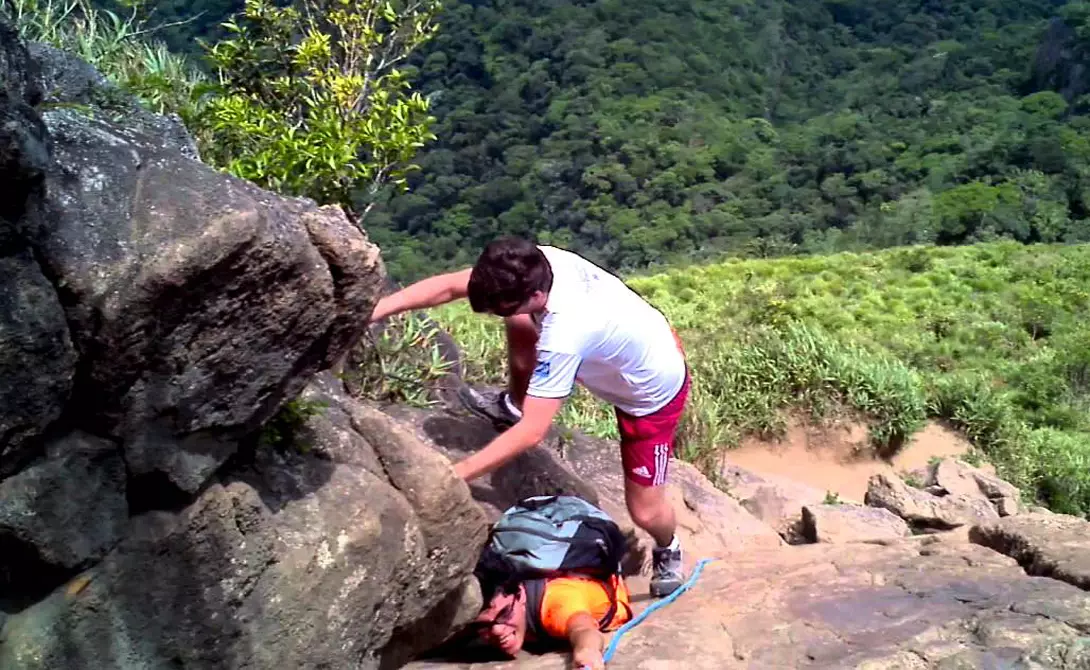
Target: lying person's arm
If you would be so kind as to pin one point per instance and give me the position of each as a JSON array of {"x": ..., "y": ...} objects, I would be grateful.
[{"x": 587, "y": 642}]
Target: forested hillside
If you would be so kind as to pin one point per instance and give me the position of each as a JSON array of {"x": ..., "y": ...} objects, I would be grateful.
[
  {"x": 644, "y": 131},
  {"x": 652, "y": 131}
]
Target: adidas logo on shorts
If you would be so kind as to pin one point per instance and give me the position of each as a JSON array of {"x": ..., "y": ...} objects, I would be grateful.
[{"x": 642, "y": 471}]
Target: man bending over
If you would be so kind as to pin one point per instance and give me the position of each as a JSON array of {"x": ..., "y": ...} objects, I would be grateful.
[{"x": 568, "y": 321}]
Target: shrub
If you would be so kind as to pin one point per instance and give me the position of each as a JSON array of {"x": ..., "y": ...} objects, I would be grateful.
[
  {"x": 399, "y": 361},
  {"x": 313, "y": 99}
]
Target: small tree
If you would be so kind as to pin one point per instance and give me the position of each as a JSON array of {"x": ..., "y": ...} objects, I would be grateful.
[{"x": 314, "y": 99}]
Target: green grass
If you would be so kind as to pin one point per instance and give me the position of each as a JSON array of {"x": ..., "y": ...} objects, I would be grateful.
[
  {"x": 991, "y": 338},
  {"x": 122, "y": 47}
]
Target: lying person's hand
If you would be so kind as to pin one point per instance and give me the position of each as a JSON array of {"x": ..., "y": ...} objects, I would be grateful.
[{"x": 588, "y": 659}]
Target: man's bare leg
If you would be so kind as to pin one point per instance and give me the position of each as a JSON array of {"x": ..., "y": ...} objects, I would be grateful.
[
  {"x": 651, "y": 511},
  {"x": 521, "y": 355}
]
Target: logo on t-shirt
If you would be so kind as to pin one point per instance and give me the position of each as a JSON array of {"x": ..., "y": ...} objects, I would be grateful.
[{"x": 542, "y": 369}]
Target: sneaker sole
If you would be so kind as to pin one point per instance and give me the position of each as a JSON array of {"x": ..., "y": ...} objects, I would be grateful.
[
  {"x": 472, "y": 401},
  {"x": 665, "y": 588}
]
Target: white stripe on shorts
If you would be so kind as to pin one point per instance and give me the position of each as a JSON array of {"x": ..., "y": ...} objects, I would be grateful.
[{"x": 662, "y": 458}]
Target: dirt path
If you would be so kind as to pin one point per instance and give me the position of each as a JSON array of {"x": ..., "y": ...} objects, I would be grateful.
[{"x": 834, "y": 458}]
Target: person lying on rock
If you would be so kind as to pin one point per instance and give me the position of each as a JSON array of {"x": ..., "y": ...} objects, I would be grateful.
[
  {"x": 568, "y": 320},
  {"x": 543, "y": 612}
]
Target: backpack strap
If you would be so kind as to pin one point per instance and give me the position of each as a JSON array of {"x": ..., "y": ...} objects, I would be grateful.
[
  {"x": 612, "y": 591},
  {"x": 535, "y": 595}
]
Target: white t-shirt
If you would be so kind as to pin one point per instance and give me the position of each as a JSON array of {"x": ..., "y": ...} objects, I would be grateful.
[{"x": 597, "y": 331}]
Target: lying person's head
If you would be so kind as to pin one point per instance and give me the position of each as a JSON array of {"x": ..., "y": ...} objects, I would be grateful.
[{"x": 502, "y": 623}]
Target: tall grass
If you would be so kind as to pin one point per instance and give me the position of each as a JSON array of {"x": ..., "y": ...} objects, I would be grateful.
[{"x": 122, "y": 47}]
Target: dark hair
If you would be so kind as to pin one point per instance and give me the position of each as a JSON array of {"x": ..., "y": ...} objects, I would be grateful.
[
  {"x": 507, "y": 273},
  {"x": 494, "y": 578}
]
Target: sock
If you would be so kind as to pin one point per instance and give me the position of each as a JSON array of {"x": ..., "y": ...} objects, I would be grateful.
[
  {"x": 674, "y": 544},
  {"x": 511, "y": 406}
]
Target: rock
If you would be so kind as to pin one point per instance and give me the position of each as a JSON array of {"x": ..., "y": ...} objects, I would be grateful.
[
  {"x": 18, "y": 71},
  {"x": 37, "y": 361},
  {"x": 61, "y": 514},
  {"x": 330, "y": 434},
  {"x": 198, "y": 301},
  {"x": 448, "y": 517},
  {"x": 923, "y": 510},
  {"x": 32, "y": 329},
  {"x": 539, "y": 471},
  {"x": 957, "y": 478},
  {"x": 66, "y": 80},
  {"x": 304, "y": 563},
  {"x": 834, "y": 606},
  {"x": 1050, "y": 545},
  {"x": 24, "y": 143},
  {"x": 776, "y": 501},
  {"x": 739, "y": 482},
  {"x": 840, "y": 524}
]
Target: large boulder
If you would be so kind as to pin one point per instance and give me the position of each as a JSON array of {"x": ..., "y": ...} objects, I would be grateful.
[
  {"x": 1050, "y": 545},
  {"x": 155, "y": 314},
  {"x": 840, "y": 524},
  {"x": 304, "y": 557},
  {"x": 913, "y": 604},
  {"x": 62, "y": 513},
  {"x": 924, "y": 510},
  {"x": 198, "y": 301},
  {"x": 37, "y": 359}
]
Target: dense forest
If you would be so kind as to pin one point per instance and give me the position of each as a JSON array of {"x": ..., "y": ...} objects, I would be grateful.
[
  {"x": 648, "y": 132},
  {"x": 654, "y": 131}
]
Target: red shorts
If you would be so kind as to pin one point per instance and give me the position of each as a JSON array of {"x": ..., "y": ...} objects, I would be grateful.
[{"x": 647, "y": 442}]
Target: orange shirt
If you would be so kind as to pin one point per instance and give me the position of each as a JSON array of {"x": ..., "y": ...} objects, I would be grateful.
[{"x": 567, "y": 596}]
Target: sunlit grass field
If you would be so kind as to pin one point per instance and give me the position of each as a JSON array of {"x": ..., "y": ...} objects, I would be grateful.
[{"x": 992, "y": 338}]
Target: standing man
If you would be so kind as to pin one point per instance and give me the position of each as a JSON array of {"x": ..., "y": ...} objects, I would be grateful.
[{"x": 568, "y": 320}]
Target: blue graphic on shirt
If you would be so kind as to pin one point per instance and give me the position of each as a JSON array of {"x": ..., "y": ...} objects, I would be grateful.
[{"x": 541, "y": 371}]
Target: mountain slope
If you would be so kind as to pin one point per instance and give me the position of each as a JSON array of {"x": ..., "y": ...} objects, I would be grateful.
[{"x": 650, "y": 131}]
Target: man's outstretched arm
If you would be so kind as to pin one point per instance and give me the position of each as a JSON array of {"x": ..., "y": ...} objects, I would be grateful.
[
  {"x": 430, "y": 292},
  {"x": 537, "y": 416},
  {"x": 587, "y": 642}
]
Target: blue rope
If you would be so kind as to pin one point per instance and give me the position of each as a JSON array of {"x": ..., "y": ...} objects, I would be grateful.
[{"x": 612, "y": 648}]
